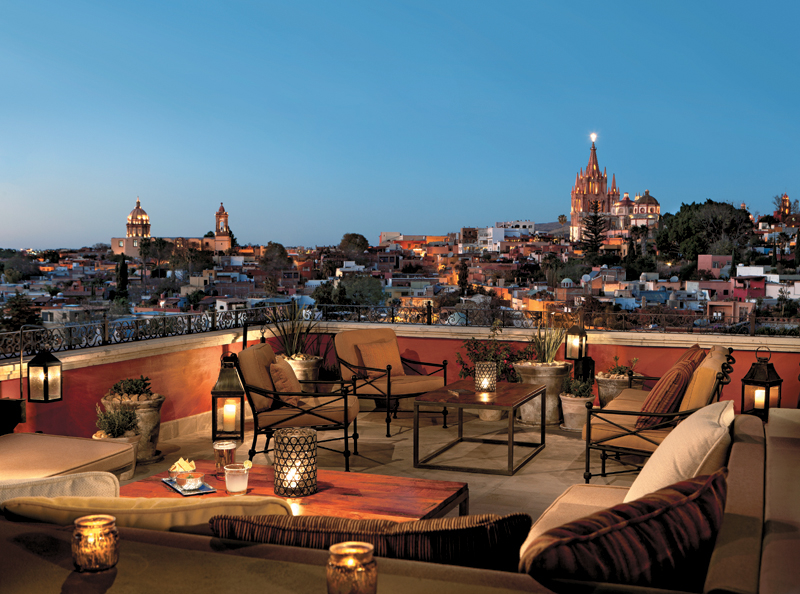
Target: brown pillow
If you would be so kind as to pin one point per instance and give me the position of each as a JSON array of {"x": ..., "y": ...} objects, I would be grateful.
[
  {"x": 694, "y": 354},
  {"x": 285, "y": 380},
  {"x": 666, "y": 395},
  {"x": 379, "y": 355},
  {"x": 664, "y": 539},
  {"x": 487, "y": 541}
]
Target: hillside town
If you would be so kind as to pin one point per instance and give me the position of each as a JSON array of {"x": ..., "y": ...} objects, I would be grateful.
[{"x": 611, "y": 252}]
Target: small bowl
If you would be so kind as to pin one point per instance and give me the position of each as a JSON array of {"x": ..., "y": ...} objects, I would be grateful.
[{"x": 189, "y": 480}]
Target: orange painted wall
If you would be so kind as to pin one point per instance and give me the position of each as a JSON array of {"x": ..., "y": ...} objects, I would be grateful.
[{"x": 186, "y": 379}]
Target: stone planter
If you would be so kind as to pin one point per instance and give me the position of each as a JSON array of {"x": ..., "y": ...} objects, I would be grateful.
[
  {"x": 485, "y": 414},
  {"x": 609, "y": 387},
  {"x": 306, "y": 370},
  {"x": 574, "y": 409},
  {"x": 552, "y": 376},
  {"x": 148, "y": 412},
  {"x": 134, "y": 439}
]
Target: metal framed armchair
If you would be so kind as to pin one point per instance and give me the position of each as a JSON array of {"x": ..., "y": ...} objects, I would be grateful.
[
  {"x": 336, "y": 410},
  {"x": 612, "y": 430},
  {"x": 371, "y": 359}
]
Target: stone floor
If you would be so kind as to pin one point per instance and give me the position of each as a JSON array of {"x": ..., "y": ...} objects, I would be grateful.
[{"x": 531, "y": 490}]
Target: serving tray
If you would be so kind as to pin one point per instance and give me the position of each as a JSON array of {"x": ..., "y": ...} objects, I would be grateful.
[{"x": 201, "y": 490}]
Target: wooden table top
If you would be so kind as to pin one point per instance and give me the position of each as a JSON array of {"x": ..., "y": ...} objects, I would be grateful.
[
  {"x": 342, "y": 494},
  {"x": 507, "y": 394}
]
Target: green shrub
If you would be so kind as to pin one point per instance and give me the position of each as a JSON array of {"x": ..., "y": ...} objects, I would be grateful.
[
  {"x": 117, "y": 423},
  {"x": 132, "y": 386}
]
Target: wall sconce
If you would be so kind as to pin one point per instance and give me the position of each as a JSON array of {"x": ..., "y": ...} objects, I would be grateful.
[
  {"x": 95, "y": 543},
  {"x": 44, "y": 373},
  {"x": 485, "y": 376},
  {"x": 227, "y": 403},
  {"x": 295, "y": 462},
  {"x": 761, "y": 387},
  {"x": 352, "y": 569}
]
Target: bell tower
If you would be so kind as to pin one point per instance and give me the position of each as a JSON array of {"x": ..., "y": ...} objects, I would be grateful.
[{"x": 222, "y": 234}]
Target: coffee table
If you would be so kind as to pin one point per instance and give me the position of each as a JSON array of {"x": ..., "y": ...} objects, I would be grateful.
[
  {"x": 352, "y": 495},
  {"x": 508, "y": 397}
]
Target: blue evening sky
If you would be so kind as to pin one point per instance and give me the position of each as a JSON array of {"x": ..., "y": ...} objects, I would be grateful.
[{"x": 311, "y": 119}]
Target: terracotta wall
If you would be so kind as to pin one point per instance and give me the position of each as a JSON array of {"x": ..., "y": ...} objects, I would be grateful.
[{"x": 186, "y": 379}]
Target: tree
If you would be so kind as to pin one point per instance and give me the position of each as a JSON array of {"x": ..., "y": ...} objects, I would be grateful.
[
  {"x": 209, "y": 234},
  {"x": 794, "y": 206},
  {"x": 275, "y": 259},
  {"x": 362, "y": 290},
  {"x": 122, "y": 279},
  {"x": 234, "y": 242},
  {"x": 562, "y": 219},
  {"x": 195, "y": 297},
  {"x": 594, "y": 229},
  {"x": 797, "y": 250},
  {"x": 13, "y": 276},
  {"x": 161, "y": 251},
  {"x": 101, "y": 247},
  {"x": 463, "y": 277},
  {"x": 119, "y": 307},
  {"x": 145, "y": 247},
  {"x": 17, "y": 312},
  {"x": 353, "y": 245}
]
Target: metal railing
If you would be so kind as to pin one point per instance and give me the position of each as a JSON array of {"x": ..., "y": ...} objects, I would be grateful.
[{"x": 107, "y": 332}]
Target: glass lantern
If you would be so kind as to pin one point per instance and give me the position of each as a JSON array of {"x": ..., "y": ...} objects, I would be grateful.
[
  {"x": 44, "y": 378},
  {"x": 761, "y": 387},
  {"x": 227, "y": 403},
  {"x": 485, "y": 376}
]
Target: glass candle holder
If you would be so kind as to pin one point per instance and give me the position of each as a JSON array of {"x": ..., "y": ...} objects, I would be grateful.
[
  {"x": 485, "y": 376},
  {"x": 351, "y": 569},
  {"x": 95, "y": 543},
  {"x": 295, "y": 462}
]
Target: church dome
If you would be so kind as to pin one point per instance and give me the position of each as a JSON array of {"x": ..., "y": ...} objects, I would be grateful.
[
  {"x": 138, "y": 215},
  {"x": 646, "y": 199}
]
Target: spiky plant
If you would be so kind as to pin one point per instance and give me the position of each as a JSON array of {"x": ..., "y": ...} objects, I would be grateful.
[
  {"x": 292, "y": 330},
  {"x": 546, "y": 341}
]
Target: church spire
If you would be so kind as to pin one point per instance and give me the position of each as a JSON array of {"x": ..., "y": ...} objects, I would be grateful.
[{"x": 593, "y": 168}]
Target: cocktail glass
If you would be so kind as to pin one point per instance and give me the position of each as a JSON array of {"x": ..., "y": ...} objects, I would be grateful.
[{"x": 236, "y": 479}]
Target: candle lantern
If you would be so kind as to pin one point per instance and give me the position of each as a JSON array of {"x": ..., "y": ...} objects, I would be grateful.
[
  {"x": 485, "y": 376},
  {"x": 95, "y": 543},
  {"x": 351, "y": 569},
  {"x": 295, "y": 462},
  {"x": 227, "y": 403},
  {"x": 761, "y": 387},
  {"x": 575, "y": 345},
  {"x": 44, "y": 378}
]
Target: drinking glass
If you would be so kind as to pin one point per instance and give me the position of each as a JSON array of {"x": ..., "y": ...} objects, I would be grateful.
[
  {"x": 224, "y": 454},
  {"x": 236, "y": 479}
]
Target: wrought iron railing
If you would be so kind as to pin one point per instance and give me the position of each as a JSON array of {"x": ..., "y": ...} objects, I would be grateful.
[{"x": 107, "y": 332}]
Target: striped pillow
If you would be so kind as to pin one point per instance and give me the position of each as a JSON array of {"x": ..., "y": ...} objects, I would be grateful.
[
  {"x": 666, "y": 395},
  {"x": 694, "y": 354},
  {"x": 664, "y": 539},
  {"x": 487, "y": 541}
]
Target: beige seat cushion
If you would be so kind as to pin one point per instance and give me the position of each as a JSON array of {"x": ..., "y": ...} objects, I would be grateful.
[
  {"x": 576, "y": 502},
  {"x": 404, "y": 385},
  {"x": 81, "y": 484},
  {"x": 143, "y": 512},
  {"x": 37, "y": 455},
  {"x": 332, "y": 407},
  {"x": 704, "y": 379},
  {"x": 254, "y": 364},
  {"x": 629, "y": 399},
  {"x": 698, "y": 445},
  {"x": 345, "y": 344}
]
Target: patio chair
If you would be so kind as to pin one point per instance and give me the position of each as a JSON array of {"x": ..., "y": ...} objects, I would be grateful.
[
  {"x": 275, "y": 409},
  {"x": 371, "y": 359},
  {"x": 613, "y": 430}
]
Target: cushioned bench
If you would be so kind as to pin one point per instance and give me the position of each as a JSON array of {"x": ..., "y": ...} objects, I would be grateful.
[{"x": 36, "y": 455}]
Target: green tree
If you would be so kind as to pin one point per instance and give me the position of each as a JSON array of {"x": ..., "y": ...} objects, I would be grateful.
[
  {"x": 234, "y": 242},
  {"x": 119, "y": 307},
  {"x": 797, "y": 250},
  {"x": 594, "y": 229},
  {"x": 145, "y": 248},
  {"x": 275, "y": 259},
  {"x": 209, "y": 234},
  {"x": 353, "y": 244},
  {"x": 362, "y": 290},
  {"x": 463, "y": 277},
  {"x": 161, "y": 251},
  {"x": 13, "y": 276},
  {"x": 18, "y": 311},
  {"x": 195, "y": 297},
  {"x": 122, "y": 279},
  {"x": 562, "y": 219}
]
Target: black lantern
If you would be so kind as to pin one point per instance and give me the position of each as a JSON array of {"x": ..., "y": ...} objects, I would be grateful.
[
  {"x": 44, "y": 378},
  {"x": 761, "y": 387},
  {"x": 227, "y": 403},
  {"x": 575, "y": 344}
]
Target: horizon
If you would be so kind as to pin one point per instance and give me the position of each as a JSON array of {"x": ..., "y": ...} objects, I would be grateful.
[{"x": 311, "y": 121}]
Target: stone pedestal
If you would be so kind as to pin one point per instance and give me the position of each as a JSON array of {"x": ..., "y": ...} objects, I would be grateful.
[{"x": 552, "y": 376}]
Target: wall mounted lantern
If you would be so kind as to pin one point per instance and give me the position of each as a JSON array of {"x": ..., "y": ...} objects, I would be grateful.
[{"x": 44, "y": 373}]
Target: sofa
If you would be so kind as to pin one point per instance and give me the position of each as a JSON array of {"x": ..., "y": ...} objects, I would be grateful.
[{"x": 753, "y": 551}]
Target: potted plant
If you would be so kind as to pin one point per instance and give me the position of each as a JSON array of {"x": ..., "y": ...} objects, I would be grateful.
[
  {"x": 544, "y": 369},
  {"x": 573, "y": 402},
  {"x": 135, "y": 394},
  {"x": 119, "y": 424},
  {"x": 610, "y": 383},
  {"x": 293, "y": 327}
]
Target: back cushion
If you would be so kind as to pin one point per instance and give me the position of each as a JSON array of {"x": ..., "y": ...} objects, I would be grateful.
[
  {"x": 379, "y": 355},
  {"x": 666, "y": 394},
  {"x": 254, "y": 364},
  {"x": 704, "y": 378}
]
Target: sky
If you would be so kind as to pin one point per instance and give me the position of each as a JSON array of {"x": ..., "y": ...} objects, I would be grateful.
[{"x": 313, "y": 119}]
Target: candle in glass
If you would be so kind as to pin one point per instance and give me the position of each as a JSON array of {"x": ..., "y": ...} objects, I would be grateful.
[
  {"x": 229, "y": 415},
  {"x": 759, "y": 396},
  {"x": 351, "y": 569},
  {"x": 95, "y": 543}
]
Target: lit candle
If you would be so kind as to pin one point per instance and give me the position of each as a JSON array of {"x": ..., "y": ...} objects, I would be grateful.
[
  {"x": 351, "y": 569},
  {"x": 229, "y": 416},
  {"x": 485, "y": 383},
  {"x": 95, "y": 543},
  {"x": 759, "y": 396}
]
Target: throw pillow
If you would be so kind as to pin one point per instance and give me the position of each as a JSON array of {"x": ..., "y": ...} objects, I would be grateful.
[
  {"x": 698, "y": 445},
  {"x": 664, "y": 539},
  {"x": 694, "y": 354},
  {"x": 379, "y": 355},
  {"x": 154, "y": 513},
  {"x": 487, "y": 541},
  {"x": 285, "y": 380},
  {"x": 666, "y": 394},
  {"x": 701, "y": 387}
]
